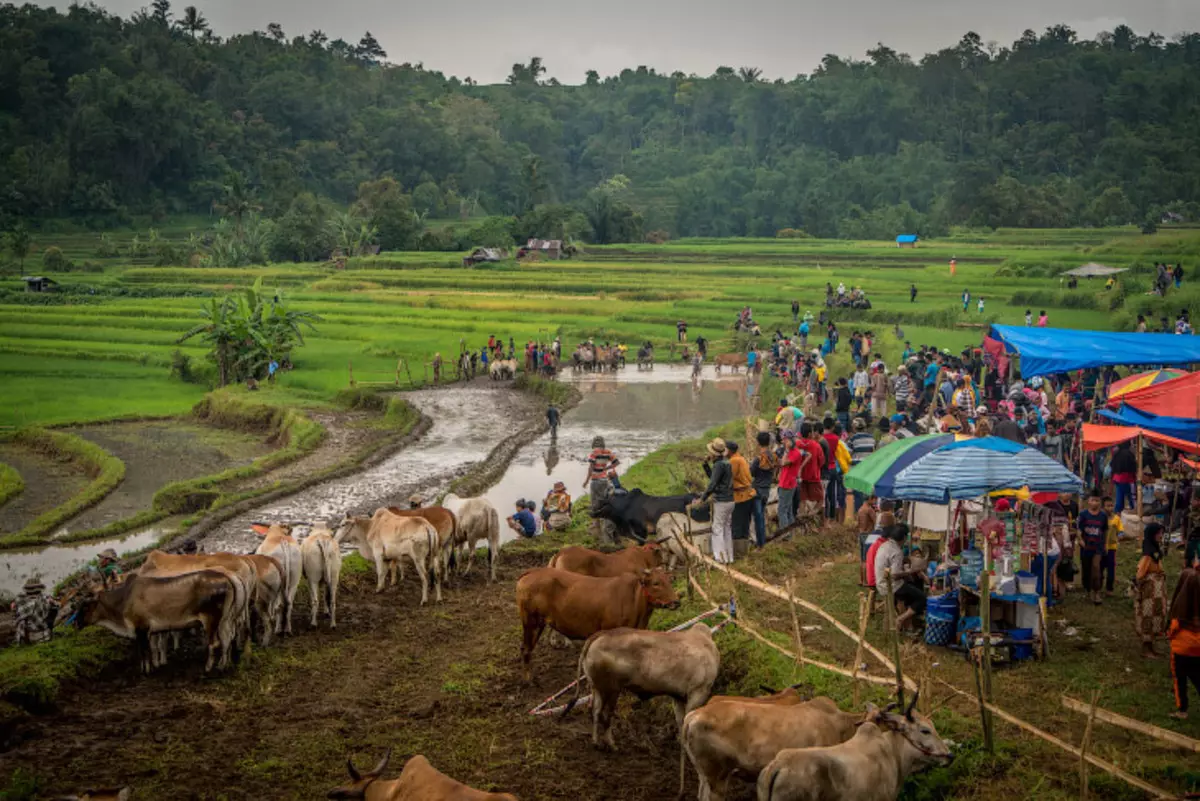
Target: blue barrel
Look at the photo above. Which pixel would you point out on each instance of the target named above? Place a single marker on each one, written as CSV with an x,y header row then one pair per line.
x,y
941,619
1020,652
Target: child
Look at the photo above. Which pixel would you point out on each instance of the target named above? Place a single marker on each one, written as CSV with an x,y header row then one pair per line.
x,y
1184,633
1093,529
1150,591
1108,561
1028,318
981,305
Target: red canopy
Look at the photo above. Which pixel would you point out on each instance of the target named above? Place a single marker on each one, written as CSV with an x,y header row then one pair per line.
x,y
1179,397
1096,437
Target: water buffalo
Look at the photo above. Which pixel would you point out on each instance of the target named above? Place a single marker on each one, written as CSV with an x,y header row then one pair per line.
x,y
636,514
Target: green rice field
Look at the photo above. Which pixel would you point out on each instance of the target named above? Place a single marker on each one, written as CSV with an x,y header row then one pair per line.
x,y
101,347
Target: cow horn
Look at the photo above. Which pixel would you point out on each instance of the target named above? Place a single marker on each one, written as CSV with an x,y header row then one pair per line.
x,y
382,763
354,774
912,704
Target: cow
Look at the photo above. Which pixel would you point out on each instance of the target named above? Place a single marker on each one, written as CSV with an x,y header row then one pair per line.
x,y
579,606
443,521
279,543
679,664
731,738
672,530
322,563
789,696
268,593
161,563
637,513
419,781
871,766
478,520
145,605
503,369
387,540
114,794
731,360
586,562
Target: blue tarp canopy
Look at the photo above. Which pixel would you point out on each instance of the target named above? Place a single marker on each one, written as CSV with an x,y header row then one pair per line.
x,y
1178,427
1045,351
905,239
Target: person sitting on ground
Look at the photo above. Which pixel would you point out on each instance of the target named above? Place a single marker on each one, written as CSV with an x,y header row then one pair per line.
x,y
35,613
523,522
905,585
556,508
108,565
1184,633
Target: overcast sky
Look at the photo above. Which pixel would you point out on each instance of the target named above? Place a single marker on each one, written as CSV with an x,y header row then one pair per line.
x,y
483,38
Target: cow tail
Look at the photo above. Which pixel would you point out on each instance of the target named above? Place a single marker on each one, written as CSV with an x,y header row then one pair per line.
x,y
771,784
332,568
581,680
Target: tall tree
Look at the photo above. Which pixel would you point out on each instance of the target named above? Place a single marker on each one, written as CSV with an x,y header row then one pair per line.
x,y
193,22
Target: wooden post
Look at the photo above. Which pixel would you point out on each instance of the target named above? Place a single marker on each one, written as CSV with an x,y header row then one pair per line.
x,y
984,713
400,362
864,616
890,603
1045,638
985,619
795,624
350,367
1138,485
1083,748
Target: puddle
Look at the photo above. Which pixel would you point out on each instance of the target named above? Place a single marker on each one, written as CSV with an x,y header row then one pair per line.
x,y
55,562
636,413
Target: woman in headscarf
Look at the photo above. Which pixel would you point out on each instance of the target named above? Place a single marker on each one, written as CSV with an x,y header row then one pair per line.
x,y
1184,633
1150,591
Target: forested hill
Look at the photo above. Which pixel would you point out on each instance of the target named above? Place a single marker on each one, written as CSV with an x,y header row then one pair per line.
x,y
103,117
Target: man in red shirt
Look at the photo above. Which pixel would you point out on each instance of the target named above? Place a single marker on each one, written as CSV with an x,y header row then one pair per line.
x,y
791,462
811,493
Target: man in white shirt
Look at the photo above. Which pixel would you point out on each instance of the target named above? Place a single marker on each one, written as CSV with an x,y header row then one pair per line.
x,y
890,556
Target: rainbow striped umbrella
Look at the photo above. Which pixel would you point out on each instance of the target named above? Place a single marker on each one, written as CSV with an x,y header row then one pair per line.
x,y
1130,383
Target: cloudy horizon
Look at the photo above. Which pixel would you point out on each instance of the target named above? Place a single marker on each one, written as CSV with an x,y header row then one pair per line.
x,y
466,38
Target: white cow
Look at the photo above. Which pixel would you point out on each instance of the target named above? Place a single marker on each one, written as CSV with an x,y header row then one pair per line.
x,y
322,561
386,539
268,594
279,543
477,520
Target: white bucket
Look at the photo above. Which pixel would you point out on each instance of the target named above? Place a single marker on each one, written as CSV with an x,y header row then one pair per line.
x,y
1026,585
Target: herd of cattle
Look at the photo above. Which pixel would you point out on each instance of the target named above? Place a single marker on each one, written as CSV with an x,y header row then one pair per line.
x,y
794,748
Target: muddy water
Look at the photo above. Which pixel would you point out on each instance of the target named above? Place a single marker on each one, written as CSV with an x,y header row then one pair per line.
x,y
636,413
467,423
55,562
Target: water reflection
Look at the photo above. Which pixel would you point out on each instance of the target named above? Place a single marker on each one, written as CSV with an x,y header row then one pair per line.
x,y
55,562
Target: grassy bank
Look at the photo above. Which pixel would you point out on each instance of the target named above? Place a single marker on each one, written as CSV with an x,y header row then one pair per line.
x,y
104,470
11,484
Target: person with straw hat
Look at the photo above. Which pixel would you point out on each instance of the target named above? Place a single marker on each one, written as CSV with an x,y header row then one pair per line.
x,y
35,612
720,489
556,508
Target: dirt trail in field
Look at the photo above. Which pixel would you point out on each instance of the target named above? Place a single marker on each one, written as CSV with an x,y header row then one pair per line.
x,y
468,421
443,681
48,483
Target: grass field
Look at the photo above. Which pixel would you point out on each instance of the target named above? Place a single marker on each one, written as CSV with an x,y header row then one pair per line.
x,y
102,347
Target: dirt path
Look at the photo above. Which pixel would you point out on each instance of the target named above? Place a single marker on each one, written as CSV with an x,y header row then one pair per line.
x,y
468,421
443,681
48,483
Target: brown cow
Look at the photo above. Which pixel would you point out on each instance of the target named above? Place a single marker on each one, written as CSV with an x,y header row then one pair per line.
x,y
443,521
586,562
788,696
579,606
419,781
161,563
730,360
742,738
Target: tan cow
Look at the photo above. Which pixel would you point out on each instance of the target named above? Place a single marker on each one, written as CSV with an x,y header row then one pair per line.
x,y
731,360
871,766
679,664
788,696
586,562
268,593
279,543
443,521
322,561
419,781
115,794
731,738
387,539
142,606
579,606
161,563
671,531
478,521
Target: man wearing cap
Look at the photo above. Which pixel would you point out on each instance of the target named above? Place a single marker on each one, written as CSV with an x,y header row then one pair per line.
x,y
108,565
35,613
556,508
720,489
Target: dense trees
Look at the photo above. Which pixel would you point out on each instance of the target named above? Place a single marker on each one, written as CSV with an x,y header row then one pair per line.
x,y
103,117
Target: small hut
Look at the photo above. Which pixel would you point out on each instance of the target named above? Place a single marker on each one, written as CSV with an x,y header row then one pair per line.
x,y
480,255
37,283
545,248
907,241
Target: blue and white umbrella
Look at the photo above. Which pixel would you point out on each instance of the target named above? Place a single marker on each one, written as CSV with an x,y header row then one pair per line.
x,y
969,468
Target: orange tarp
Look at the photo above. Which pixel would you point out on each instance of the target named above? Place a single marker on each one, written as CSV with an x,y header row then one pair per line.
x,y
1097,436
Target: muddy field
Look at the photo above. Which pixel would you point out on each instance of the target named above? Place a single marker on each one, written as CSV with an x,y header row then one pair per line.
x,y
48,483
443,681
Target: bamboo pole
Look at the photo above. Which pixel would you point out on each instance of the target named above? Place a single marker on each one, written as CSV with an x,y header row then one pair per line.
x,y
1174,738
795,623
890,608
1138,485
985,618
864,617
1094,761
1083,749
977,669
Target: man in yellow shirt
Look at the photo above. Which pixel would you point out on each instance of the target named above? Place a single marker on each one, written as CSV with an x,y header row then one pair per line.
x,y
1108,560
743,492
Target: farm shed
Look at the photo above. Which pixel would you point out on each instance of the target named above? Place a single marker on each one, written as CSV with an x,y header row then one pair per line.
x,y
547,248
36,283
907,241
479,255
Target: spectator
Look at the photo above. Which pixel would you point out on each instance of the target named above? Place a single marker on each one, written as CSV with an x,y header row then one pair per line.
x,y
762,475
1184,633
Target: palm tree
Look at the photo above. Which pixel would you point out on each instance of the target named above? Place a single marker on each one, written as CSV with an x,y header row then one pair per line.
x,y
749,74
237,200
193,22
